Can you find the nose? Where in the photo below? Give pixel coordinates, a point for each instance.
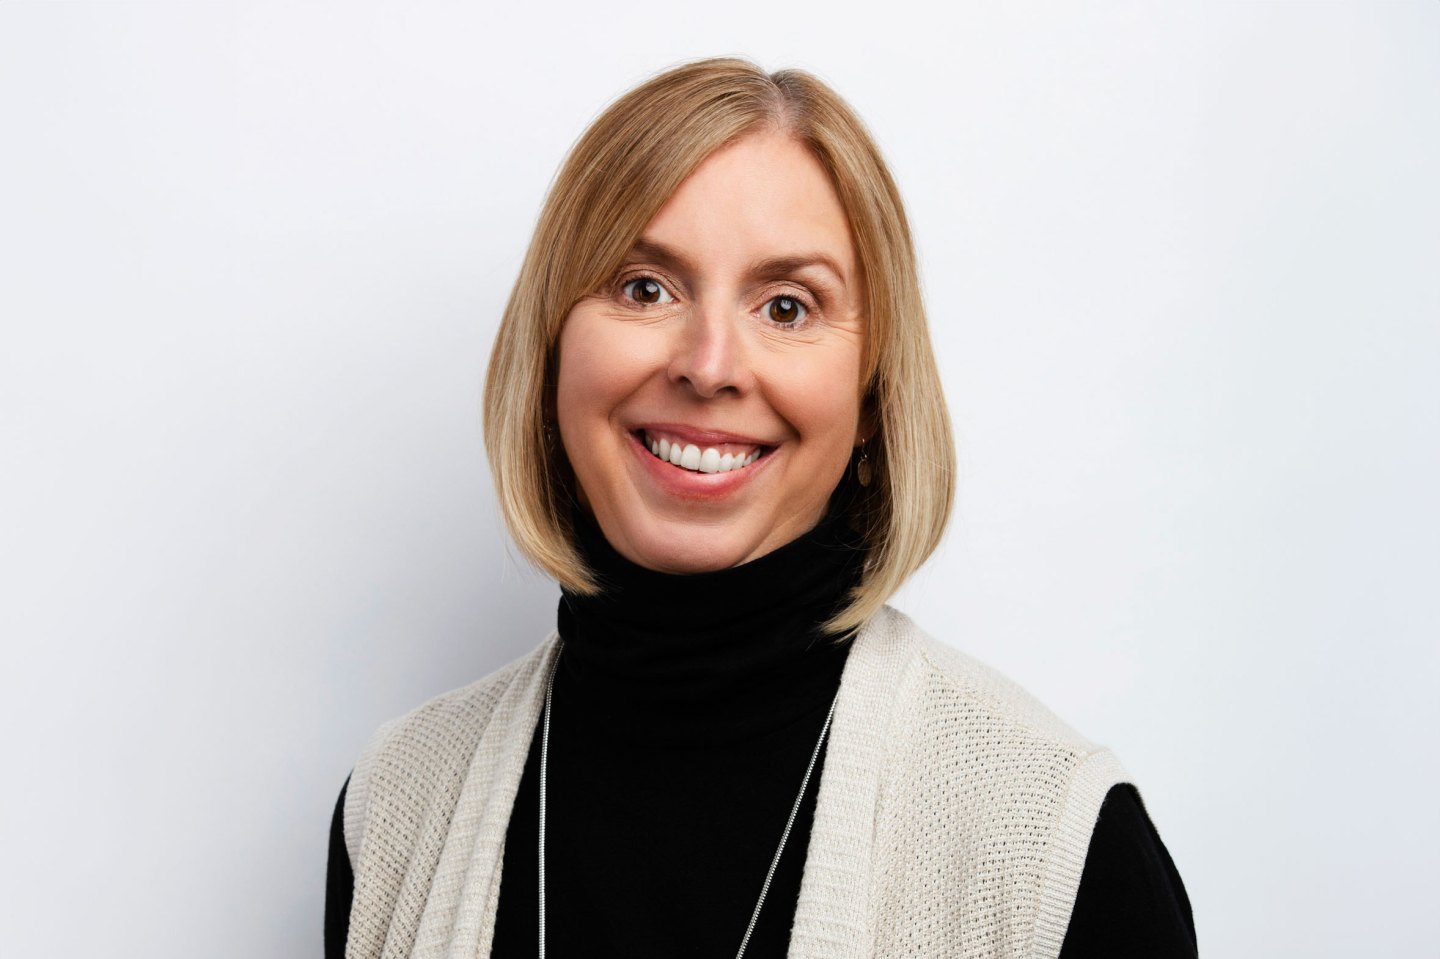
(708, 355)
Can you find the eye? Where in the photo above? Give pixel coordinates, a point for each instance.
(646, 290)
(785, 310)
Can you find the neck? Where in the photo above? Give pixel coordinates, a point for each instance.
(716, 656)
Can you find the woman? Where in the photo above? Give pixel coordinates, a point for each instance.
(714, 417)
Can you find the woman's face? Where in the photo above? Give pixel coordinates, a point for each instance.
(709, 398)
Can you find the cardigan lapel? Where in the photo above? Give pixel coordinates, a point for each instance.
(834, 918)
(459, 923)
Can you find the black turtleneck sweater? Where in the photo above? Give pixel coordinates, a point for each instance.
(685, 712)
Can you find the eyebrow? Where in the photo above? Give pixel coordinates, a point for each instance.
(770, 266)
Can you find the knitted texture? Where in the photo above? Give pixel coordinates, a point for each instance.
(953, 817)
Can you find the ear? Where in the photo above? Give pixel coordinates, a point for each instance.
(869, 423)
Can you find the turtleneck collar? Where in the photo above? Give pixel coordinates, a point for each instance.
(710, 657)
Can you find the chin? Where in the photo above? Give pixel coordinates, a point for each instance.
(687, 549)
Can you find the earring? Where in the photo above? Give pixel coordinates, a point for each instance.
(863, 469)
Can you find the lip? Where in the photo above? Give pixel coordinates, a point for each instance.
(689, 485)
(702, 438)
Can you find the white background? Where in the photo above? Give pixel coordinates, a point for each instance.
(1181, 264)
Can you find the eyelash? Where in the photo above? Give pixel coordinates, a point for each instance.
(804, 303)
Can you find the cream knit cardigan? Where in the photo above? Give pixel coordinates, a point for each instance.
(953, 817)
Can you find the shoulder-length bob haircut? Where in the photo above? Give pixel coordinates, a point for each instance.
(616, 178)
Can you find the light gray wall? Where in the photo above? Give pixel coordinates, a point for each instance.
(1181, 264)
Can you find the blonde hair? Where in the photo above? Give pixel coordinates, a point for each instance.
(616, 177)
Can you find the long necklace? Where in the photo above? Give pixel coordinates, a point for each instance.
(775, 861)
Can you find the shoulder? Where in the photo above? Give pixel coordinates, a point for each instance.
(994, 792)
(956, 687)
(429, 748)
(465, 710)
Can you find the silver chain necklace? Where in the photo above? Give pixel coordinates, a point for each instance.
(794, 810)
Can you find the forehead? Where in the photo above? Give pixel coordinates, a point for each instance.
(764, 196)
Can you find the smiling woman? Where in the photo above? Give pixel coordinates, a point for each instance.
(713, 415)
(731, 341)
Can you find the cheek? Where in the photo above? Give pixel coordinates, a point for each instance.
(587, 380)
(579, 383)
(821, 399)
(600, 365)
(600, 362)
(579, 367)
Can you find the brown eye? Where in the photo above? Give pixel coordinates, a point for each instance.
(647, 291)
(786, 310)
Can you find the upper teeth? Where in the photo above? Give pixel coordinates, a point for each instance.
(691, 457)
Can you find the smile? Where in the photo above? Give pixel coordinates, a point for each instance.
(720, 458)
